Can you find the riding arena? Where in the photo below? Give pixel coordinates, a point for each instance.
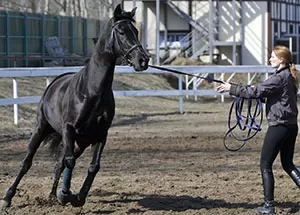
(133, 139)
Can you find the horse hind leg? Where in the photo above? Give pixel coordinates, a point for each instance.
(58, 167)
(35, 141)
(79, 199)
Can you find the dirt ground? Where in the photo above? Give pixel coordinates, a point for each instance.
(156, 161)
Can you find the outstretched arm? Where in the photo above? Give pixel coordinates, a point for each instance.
(224, 87)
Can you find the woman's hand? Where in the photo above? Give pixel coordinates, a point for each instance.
(224, 87)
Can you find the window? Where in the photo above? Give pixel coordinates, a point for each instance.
(174, 40)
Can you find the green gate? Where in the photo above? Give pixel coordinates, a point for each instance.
(22, 36)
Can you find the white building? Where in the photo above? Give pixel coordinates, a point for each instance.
(221, 32)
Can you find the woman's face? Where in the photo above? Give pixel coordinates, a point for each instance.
(274, 60)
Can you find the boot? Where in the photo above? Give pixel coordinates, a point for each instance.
(268, 186)
(295, 175)
(268, 208)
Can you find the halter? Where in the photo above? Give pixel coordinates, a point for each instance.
(130, 50)
(120, 21)
(133, 47)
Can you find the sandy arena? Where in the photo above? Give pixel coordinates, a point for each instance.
(156, 161)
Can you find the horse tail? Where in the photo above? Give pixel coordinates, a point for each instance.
(54, 143)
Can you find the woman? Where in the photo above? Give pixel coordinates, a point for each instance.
(280, 91)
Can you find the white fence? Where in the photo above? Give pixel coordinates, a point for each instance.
(219, 71)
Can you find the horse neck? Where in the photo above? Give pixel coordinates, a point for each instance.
(100, 70)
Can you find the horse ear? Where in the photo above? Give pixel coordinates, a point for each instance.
(118, 10)
(132, 13)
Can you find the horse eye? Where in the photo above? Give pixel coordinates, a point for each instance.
(121, 30)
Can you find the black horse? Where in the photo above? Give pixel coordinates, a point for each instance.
(77, 109)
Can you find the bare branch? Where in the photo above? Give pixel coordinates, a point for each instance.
(63, 6)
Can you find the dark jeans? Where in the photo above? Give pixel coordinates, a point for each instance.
(280, 138)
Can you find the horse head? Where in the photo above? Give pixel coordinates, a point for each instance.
(126, 43)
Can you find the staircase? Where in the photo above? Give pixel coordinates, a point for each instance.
(199, 37)
(197, 25)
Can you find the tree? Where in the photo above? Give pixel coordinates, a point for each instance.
(94, 9)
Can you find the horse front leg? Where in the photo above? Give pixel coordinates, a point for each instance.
(78, 200)
(59, 168)
(64, 194)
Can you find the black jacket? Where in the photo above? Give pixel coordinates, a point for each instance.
(281, 97)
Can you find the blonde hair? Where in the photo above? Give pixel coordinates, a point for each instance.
(284, 54)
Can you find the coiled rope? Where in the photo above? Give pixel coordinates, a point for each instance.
(243, 122)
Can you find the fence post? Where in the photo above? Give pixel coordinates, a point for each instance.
(186, 84)
(195, 88)
(47, 82)
(266, 74)
(222, 95)
(249, 78)
(15, 95)
(180, 97)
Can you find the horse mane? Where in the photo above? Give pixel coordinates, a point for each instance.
(104, 35)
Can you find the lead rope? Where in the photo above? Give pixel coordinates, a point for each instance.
(243, 122)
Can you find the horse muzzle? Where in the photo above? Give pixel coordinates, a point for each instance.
(140, 63)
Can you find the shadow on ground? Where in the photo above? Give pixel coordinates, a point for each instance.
(184, 203)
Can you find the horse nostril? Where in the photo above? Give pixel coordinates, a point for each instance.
(142, 62)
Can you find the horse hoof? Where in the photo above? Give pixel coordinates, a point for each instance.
(4, 205)
(76, 201)
(62, 197)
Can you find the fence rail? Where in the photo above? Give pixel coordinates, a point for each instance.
(15, 73)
